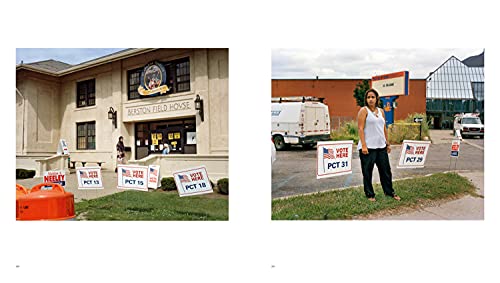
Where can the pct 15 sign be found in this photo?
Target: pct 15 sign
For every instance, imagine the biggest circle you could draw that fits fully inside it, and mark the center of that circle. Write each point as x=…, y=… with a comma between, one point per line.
x=89, y=178
x=132, y=177
x=192, y=181
x=334, y=158
x=413, y=154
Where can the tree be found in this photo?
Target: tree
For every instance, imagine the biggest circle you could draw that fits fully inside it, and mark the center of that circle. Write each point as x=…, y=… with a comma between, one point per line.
x=359, y=92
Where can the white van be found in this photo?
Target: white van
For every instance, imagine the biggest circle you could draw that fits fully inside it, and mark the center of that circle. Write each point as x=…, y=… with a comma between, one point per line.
x=299, y=121
x=469, y=124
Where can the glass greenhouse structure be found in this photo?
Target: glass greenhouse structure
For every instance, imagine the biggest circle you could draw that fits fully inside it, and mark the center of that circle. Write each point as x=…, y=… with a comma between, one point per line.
x=455, y=87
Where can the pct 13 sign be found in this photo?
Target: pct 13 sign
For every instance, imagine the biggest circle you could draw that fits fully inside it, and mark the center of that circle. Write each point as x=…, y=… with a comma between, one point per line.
x=192, y=182
x=89, y=178
x=413, y=154
x=334, y=158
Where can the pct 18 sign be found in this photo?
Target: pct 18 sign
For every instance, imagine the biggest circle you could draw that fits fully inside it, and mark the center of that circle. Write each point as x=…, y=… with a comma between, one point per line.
x=89, y=178
x=334, y=158
x=413, y=154
x=133, y=177
x=192, y=181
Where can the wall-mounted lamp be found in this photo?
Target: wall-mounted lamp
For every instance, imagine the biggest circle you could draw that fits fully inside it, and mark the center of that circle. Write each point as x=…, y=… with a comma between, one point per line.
x=198, y=105
x=112, y=115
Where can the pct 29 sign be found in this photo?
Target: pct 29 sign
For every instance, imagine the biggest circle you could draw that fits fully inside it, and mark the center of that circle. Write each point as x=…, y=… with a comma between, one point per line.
x=192, y=182
x=413, y=154
x=133, y=177
x=89, y=178
x=334, y=159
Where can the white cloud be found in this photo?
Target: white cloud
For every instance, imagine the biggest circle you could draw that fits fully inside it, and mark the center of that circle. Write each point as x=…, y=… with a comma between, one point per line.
x=361, y=63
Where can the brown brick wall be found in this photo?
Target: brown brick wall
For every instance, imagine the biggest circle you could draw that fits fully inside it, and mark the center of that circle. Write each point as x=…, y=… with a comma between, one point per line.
x=338, y=95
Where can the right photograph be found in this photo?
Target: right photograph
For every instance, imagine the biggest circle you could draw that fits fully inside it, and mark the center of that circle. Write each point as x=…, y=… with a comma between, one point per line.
x=377, y=134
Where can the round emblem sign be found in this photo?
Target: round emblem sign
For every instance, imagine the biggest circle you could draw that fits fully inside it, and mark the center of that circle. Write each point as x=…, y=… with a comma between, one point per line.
x=153, y=79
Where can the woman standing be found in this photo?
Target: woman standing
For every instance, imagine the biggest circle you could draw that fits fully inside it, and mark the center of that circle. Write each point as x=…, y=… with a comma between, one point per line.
x=373, y=146
x=120, y=153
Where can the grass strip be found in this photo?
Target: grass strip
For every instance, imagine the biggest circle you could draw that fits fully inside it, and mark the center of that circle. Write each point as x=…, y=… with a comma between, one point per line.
x=351, y=202
x=136, y=205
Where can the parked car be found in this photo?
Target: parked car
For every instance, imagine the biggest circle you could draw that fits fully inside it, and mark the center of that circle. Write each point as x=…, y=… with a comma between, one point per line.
x=469, y=124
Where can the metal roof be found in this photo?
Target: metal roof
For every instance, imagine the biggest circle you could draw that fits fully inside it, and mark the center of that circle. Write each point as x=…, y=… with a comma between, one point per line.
x=455, y=80
x=50, y=65
x=475, y=61
x=35, y=67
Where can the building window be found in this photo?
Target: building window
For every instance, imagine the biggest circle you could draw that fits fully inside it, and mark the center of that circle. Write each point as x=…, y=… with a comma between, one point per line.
x=85, y=135
x=85, y=93
x=134, y=81
x=182, y=76
x=178, y=78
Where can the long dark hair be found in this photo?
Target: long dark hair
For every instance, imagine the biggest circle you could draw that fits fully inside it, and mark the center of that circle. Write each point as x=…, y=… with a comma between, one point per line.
x=376, y=95
x=120, y=143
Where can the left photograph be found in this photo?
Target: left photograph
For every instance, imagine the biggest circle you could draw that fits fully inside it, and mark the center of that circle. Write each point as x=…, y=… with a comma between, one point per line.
x=122, y=134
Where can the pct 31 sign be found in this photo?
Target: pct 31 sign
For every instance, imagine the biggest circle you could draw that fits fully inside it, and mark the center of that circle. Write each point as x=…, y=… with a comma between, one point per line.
x=334, y=158
x=413, y=154
x=192, y=182
x=89, y=178
x=133, y=177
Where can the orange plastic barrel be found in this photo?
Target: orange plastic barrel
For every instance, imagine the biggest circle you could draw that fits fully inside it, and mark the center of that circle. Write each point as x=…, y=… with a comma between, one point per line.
x=20, y=192
x=52, y=204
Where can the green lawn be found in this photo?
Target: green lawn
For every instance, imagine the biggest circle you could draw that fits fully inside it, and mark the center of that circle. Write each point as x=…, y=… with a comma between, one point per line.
x=136, y=205
x=351, y=202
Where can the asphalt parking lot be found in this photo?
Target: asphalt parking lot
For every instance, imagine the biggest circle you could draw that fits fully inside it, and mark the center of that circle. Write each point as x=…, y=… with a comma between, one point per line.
x=294, y=172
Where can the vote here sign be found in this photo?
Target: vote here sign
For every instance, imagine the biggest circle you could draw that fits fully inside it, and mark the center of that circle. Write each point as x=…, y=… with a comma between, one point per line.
x=413, y=154
x=153, y=176
x=133, y=177
x=192, y=181
x=89, y=178
x=334, y=158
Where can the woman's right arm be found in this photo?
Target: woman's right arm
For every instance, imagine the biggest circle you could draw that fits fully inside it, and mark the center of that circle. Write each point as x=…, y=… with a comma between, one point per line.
x=361, y=129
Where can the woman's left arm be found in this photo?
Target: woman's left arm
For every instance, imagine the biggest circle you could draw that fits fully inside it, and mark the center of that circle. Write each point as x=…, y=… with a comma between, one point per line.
x=388, y=146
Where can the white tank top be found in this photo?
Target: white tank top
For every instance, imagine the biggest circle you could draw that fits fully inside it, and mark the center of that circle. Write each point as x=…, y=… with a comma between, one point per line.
x=374, y=130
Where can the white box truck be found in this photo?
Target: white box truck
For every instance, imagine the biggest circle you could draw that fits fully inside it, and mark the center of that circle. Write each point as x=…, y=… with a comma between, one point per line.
x=299, y=121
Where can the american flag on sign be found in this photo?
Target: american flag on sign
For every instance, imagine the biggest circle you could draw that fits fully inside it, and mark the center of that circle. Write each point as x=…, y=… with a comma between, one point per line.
x=410, y=149
x=126, y=173
x=184, y=179
x=328, y=153
x=83, y=174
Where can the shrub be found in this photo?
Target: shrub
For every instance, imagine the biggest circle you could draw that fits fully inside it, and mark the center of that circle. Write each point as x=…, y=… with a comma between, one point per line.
x=168, y=184
x=223, y=186
x=408, y=130
x=347, y=131
x=24, y=174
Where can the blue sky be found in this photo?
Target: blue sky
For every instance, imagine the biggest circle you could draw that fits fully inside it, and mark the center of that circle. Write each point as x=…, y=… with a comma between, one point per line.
x=358, y=63
x=71, y=56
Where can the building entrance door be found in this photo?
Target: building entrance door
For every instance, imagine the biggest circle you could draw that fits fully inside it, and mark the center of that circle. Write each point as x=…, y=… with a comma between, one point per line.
x=152, y=137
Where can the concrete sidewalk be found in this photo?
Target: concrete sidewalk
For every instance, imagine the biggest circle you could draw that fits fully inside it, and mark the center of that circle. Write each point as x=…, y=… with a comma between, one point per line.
x=466, y=208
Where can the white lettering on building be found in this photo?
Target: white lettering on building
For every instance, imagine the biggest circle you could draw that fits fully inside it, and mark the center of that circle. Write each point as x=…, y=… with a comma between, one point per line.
x=158, y=108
